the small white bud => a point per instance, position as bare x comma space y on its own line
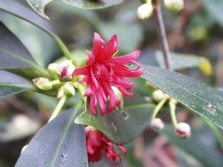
183, 130
158, 95
157, 123
144, 11
66, 69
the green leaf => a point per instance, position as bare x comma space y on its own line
198, 97
93, 4
196, 147
20, 11
182, 61
13, 53
39, 5
121, 126
11, 84
59, 143
214, 7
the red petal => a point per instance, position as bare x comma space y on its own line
126, 59
112, 47
80, 71
122, 149
91, 58
98, 45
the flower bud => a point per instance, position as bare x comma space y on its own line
53, 69
66, 89
23, 149
158, 95
42, 83
66, 69
150, 86
183, 130
145, 11
157, 123
174, 6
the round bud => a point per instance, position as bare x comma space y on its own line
66, 69
174, 6
66, 89
53, 69
158, 95
157, 123
183, 130
42, 83
145, 11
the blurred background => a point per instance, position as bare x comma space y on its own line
197, 30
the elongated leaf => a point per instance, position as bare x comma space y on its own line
13, 53
39, 5
121, 126
200, 98
59, 143
182, 61
18, 10
11, 84
195, 147
93, 4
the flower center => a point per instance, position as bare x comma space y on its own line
100, 71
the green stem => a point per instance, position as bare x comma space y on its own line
54, 82
62, 46
157, 109
172, 105
58, 108
217, 132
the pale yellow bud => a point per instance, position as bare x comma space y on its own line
145, 11
174, 6
42, 83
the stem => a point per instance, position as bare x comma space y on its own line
216, 131
162, 33
62, 46
172, 105
54, 82
58, 108
157, 109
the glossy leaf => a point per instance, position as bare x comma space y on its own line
196, 147
214, 7
198, 97
11, 84
13, 53
182, 61
121, 126
22, 12
39, 5
59, 143
93, 4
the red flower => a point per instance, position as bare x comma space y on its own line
96, 142
102, 71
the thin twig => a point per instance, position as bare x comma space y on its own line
162, 33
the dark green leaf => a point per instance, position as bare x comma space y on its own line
59, 143
196, 147
214, 7
182, 61
39, 5
18, 10
200, 98
121, 126
93, 4
13, 53
11, 84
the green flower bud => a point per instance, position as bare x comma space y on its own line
67, 89
174, 6
42, 83
53, 69
144, 11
